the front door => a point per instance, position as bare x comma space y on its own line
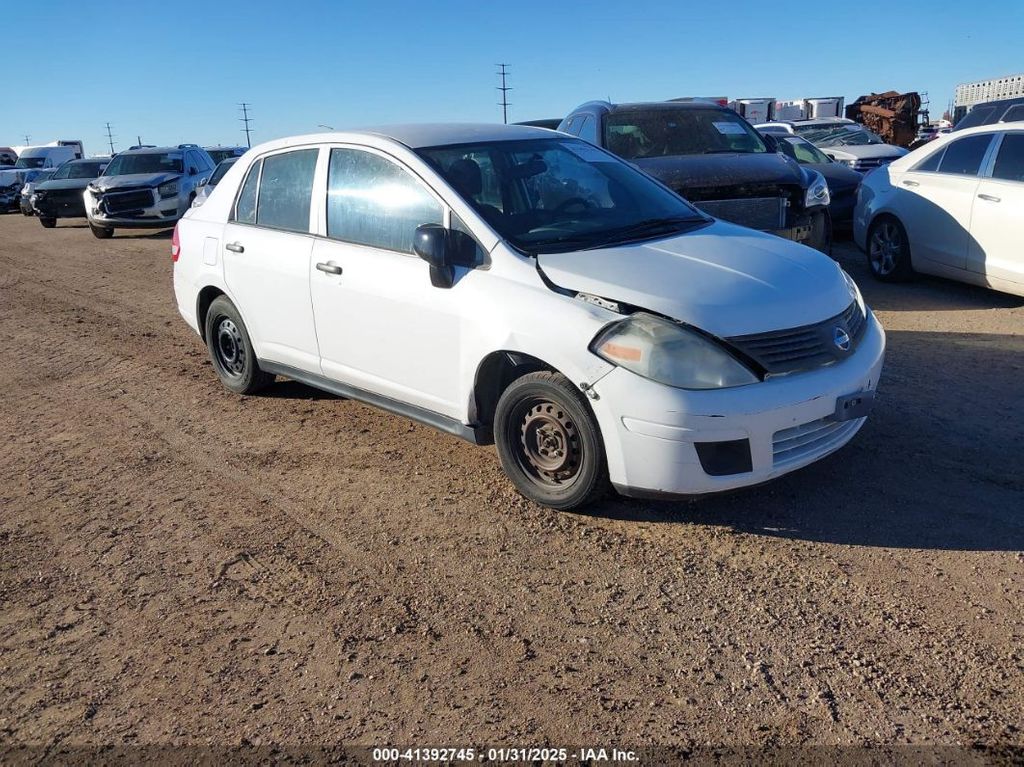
267, 248
381, 325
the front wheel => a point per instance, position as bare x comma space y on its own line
549, 443
889, 251
231, 350
101, 232
48, 223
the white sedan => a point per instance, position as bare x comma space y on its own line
519, 286
953, 208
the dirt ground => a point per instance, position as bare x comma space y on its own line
180, 565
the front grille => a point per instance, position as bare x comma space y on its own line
806, 347
122, 202
60, 200
816, 438
871, 162
766, 213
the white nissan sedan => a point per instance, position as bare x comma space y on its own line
512, 285
952, 208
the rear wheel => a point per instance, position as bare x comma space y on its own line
48, 223
889, 250
101, 232
231, 350
549, 442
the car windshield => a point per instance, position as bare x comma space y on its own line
802, 151
847, 135
555, 195
222, 168
217, 154
147, 162
39, 176
636, 134
78, 170
30, 162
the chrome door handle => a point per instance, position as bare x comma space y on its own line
988, 197
908, 182
329, 268
235, 247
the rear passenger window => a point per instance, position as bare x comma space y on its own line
286, 190
245, 206
1009, 164
372, 201
963, 156
930, 163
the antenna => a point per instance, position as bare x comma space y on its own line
246, 119
110, 140
503, 72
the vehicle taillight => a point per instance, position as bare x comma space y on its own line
175, 245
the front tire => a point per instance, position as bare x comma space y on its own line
101, 232
888, 250
48, 223
231, 350
549, 443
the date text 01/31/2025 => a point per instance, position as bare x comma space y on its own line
502, 754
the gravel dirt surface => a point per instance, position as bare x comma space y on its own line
181, 565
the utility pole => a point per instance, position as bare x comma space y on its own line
246, 119
27, 141
503, 72
110, 140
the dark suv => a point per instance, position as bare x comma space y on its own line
715, 159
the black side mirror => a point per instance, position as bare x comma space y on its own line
192, 171
770, 142
444, 249
431, 243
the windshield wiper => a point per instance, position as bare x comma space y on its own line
647, 228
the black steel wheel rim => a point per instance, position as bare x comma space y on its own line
545, 443
229, 346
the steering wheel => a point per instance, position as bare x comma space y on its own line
563, 206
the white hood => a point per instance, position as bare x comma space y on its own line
724, 279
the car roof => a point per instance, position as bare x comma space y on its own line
416, 136
160, 149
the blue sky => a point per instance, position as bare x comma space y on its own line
174, 72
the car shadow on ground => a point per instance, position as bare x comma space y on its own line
284, 388
938, 465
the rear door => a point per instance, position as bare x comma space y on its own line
935, 199
267, 247
997, 225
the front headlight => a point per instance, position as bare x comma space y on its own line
855, 292
817, 191
170, 189
669, 353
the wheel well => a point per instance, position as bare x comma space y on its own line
206, 297
495, 373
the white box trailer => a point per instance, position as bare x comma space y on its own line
808, 109
828, 106
760, 110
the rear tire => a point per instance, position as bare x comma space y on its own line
549, 442
48, 223
101, 232
888, 250
231, 350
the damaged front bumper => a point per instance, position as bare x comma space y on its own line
139, 208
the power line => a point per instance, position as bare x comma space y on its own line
246, 119
503, 72
110, 140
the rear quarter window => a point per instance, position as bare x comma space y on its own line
245, 205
